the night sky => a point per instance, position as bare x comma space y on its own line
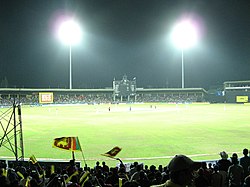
123, 37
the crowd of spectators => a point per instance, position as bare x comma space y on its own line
58, 99
169, 98
180, 172
83, 99
100, 98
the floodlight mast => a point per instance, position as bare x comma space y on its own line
70, 68
182, 69
70, 34
184, 36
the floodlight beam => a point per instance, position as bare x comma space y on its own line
70, 34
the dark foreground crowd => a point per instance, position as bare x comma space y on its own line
180, 172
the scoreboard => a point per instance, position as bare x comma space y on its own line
124, 87
45, 97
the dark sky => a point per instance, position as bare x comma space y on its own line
123, 37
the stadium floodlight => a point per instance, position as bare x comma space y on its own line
70, 34
184, 36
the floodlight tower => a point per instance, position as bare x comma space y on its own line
184, 36
70, 34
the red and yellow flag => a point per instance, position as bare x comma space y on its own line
67, 143
113, 152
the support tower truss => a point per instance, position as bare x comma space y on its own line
12, 136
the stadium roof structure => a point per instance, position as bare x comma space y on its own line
234, 82
231, 85
172, 89
30, 90
104, 90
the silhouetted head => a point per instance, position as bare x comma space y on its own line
216, 168
234, 155
234, 160
223, 155
201, 171
72, 162
181, 169
245, 152
182, 162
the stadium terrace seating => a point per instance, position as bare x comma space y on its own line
24, 174
5, 100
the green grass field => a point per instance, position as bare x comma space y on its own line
145, 134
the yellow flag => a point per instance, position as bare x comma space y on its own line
52, 169
20, 174
33, 159
120, 182
84, 176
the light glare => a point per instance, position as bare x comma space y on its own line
70, 32
184, 35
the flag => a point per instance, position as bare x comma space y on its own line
120, 182
84, 177
67, 143
70, 177
113, 152
33, 159
27, 182
20, 174
52, 169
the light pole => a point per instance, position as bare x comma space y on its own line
182, 69
70, 67
184, 36
70, 34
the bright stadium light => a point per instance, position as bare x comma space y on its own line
184, 36
70, 34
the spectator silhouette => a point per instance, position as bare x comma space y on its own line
245, 162
136, 174
105, 168
235, 173
217, 178
113, 178
206, 172
72, 167
97, 166
143, 179
224, 163
181, 170
122, 174
133, 168
201, 180
247, 179
12, 175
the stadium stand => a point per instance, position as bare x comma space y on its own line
97, 96
55, 174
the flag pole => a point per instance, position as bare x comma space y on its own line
73, 156
84, 159
39, 166
82, 152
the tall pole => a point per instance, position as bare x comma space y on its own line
15, 130
70, 33
21, 132
70, 68
182, 68
184, 35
